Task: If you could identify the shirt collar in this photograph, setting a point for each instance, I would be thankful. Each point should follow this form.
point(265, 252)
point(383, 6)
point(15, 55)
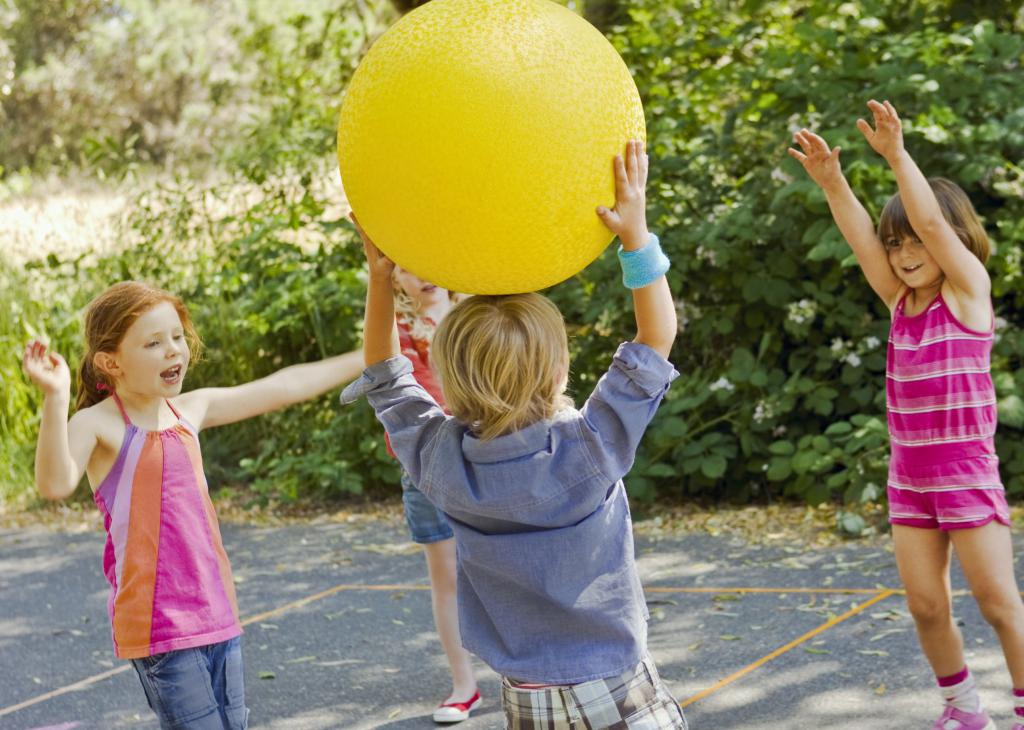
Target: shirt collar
point(510, 446)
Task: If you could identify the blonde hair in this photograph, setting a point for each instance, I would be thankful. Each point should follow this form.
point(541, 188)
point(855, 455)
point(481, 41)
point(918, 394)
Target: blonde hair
point(502, 362)
point(956, 209)
point(107, 319)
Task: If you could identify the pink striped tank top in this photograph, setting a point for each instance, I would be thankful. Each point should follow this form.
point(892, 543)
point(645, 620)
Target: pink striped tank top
point(942, 418)
point(171, 584)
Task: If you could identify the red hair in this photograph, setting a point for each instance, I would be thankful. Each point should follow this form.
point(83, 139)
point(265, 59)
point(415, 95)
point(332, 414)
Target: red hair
point(107, 319)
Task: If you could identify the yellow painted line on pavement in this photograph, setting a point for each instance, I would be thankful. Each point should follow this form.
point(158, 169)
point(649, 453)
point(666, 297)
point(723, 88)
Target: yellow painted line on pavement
point(848, 591)
point(299, 603)
point(82, 684)
point(881, 596)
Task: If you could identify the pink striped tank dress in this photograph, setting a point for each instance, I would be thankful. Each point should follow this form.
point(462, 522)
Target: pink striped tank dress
point(944, 472)
point(170, 580)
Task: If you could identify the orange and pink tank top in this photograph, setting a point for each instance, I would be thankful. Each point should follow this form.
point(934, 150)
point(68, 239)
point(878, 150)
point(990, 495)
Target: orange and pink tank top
point(170, 580)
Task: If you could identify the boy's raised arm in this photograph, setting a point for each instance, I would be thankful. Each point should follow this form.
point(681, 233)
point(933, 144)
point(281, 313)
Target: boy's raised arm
point(640, 253)
point(380, 334)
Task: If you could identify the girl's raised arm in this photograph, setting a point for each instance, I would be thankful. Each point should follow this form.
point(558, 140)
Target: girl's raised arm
point(960, 267)
point(64, 448)
point(822, 165)
point(208, 407)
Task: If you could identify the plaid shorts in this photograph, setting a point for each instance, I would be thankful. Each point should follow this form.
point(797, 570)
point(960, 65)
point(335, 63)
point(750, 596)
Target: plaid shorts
point(635, 700)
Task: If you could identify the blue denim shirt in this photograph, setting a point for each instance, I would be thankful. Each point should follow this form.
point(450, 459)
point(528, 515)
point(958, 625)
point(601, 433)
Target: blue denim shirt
point(548, 589)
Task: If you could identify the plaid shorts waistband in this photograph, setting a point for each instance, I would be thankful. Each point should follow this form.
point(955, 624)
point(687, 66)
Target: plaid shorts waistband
point(635, 700)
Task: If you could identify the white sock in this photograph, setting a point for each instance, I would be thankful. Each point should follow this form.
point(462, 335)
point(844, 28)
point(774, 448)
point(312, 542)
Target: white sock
point(963, 695)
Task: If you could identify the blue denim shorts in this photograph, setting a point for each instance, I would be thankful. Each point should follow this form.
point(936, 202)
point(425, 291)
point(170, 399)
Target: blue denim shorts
point(196, 689)
point(426, 522)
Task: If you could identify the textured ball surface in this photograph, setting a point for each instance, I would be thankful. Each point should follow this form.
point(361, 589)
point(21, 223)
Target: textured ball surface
point(476, 139)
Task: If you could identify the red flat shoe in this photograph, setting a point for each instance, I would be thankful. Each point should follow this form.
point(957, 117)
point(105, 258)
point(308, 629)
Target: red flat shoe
point(457, 711)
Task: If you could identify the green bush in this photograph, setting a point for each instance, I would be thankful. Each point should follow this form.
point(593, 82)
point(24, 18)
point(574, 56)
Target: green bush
point(782, 356)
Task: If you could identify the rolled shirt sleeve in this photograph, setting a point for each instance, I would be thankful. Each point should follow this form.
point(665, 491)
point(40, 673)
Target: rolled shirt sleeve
point(623, 403)
point(410, 415)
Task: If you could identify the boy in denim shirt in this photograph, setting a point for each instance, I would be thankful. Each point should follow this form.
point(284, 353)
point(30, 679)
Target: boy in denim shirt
point(549, 594)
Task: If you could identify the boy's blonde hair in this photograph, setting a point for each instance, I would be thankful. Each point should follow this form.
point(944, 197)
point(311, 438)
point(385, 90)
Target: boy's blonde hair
point(503, 362)
point(956, 209)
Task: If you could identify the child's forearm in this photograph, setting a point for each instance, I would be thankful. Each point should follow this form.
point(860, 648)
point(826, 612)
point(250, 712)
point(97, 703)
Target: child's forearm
point(917, 196)
point(852, 219)
point(309, 380)
point(380, 335)
point(655, 312)
point(656, 323)
point(54, 467)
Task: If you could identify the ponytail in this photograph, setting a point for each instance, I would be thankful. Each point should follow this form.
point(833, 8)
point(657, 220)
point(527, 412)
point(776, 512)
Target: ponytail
point(91, 388)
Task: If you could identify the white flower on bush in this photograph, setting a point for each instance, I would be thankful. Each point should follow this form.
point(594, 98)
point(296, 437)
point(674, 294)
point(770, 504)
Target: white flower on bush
point(722, 384)
point(762, 411)
point(708, 254)
point(802, 311)
point(853, 359)
point(838, 345)
point(681, 315)
point(871, 342)
point(780, 175)
point(1000, 325)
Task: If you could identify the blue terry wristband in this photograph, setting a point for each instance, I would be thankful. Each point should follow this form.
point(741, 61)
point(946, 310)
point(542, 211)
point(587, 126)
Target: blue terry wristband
point(644, 265)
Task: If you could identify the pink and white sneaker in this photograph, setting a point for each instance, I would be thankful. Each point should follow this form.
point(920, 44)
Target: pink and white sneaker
point(457, 711)
point(955, 719)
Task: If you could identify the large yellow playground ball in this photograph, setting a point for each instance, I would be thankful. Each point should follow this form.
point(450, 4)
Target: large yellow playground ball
point(476, 139)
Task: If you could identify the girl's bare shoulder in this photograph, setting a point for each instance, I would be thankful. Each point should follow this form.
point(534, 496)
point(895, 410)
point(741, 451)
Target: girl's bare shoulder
point(103, 420)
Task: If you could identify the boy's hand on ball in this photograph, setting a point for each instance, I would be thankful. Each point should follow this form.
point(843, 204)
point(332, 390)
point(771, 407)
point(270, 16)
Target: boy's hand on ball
point(381, 267)
point(628, 219)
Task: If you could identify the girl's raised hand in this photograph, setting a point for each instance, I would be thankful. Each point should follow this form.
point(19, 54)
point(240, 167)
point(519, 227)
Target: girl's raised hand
point(820, 162)
point(380, 265)
point(46, 369)
point(887, 136)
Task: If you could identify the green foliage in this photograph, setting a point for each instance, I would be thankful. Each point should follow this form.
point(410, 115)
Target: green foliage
point(108, 85)
point(782, 358)
point(30, 307)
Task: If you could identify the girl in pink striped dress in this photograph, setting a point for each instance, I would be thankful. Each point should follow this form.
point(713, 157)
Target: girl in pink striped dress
point(136, 436)
point(927, 263)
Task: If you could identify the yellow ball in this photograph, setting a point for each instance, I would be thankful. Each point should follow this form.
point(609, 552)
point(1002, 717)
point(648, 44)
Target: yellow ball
point(476, 139)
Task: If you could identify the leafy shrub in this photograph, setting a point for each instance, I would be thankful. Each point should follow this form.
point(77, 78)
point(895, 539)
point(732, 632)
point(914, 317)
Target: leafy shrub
point(782, 357)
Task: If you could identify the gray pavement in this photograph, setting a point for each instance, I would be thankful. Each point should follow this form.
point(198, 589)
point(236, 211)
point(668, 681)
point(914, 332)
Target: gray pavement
point(343, 635)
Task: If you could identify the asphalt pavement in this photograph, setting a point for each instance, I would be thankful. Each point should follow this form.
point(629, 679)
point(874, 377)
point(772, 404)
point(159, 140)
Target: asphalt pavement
point(339, 634)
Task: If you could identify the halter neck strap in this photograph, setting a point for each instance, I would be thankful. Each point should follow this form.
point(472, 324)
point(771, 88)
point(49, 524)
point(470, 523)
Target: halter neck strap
point(124, 413)
point(120, 407)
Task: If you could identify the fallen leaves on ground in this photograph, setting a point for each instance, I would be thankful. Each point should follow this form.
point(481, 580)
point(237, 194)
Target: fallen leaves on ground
point(791, 525)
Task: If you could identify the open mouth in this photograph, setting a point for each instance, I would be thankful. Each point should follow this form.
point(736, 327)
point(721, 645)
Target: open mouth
point(171, 376)
point(912, 269)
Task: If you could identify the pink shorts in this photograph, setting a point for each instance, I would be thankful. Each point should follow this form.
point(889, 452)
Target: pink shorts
point(958, 509)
